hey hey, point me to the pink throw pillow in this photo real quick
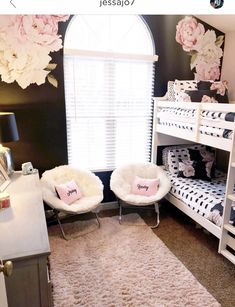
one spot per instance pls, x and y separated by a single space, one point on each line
68 192
145 187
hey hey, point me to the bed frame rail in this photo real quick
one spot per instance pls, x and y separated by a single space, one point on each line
197 121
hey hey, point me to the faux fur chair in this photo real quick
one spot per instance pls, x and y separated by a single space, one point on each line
121 183
90 185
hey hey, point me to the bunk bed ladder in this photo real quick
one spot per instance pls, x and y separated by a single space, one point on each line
227 239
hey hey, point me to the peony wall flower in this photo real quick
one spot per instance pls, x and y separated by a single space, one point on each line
24 66
204 48
25 44
208 51
207 72
189 32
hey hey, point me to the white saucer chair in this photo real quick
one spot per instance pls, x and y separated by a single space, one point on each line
90 185
121 183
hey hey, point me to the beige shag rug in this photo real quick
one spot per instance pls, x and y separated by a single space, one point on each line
120 266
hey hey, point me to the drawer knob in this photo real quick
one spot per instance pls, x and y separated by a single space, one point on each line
6 268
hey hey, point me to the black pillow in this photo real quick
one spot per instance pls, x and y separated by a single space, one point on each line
204 156
200 165
204 85
193 170
196 96
222 99
230 116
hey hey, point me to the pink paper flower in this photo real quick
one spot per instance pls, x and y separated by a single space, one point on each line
188 32
205 72
33 29
25 44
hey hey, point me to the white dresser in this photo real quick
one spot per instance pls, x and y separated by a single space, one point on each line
24 241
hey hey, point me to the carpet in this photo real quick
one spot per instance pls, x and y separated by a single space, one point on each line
120 265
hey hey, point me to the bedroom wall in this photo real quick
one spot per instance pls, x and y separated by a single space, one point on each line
40 110
229 64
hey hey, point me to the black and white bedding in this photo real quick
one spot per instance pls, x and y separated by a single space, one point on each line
184 114
190 113
207 130
204 197
203 194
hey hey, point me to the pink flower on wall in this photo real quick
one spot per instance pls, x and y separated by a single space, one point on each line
204 48
25 44
188 32
207 72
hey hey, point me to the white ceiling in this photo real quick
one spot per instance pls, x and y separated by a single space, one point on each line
224 23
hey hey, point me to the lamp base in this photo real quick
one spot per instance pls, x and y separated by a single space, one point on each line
6 160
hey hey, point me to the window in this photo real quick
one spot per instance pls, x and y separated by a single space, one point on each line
109 70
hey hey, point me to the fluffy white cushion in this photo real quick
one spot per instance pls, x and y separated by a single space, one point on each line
122 178
90 185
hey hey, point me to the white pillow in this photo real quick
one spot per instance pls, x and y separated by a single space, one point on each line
180 86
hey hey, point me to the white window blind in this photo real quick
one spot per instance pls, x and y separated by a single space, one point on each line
108 109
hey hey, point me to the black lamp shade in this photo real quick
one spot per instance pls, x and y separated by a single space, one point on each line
8 127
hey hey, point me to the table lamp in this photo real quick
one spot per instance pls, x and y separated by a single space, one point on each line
8 133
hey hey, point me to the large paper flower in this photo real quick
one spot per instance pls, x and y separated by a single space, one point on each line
24 66
204 48
25 44
208 51
188 32
207 72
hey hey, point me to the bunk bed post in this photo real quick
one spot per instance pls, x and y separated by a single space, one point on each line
197 121
226 240
154 134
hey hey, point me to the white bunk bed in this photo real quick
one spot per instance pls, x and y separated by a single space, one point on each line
180 123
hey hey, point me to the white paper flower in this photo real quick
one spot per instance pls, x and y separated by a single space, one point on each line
24 66
25 44
207 39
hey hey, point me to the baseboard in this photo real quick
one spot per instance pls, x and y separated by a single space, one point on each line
108 206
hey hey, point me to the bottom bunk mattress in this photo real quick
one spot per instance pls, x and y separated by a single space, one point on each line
204 197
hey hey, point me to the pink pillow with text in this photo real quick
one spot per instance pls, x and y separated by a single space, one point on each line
68 192
145 187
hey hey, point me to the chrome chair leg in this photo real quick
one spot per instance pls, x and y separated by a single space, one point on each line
120 211
156 206
97 218
60 225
